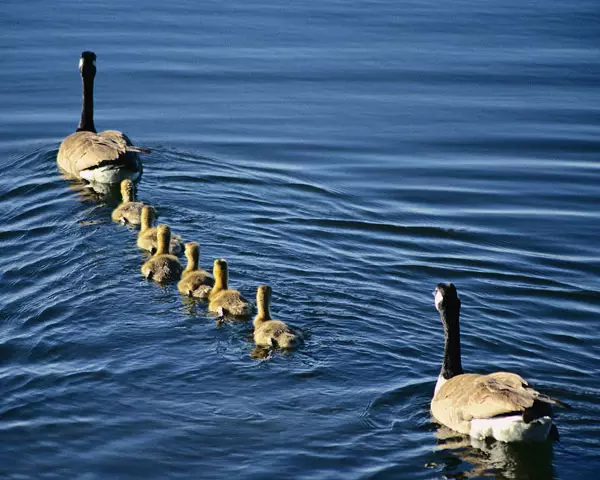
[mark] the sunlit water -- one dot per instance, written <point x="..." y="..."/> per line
<point x="350" y="155"/>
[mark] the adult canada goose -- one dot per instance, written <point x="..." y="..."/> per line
<point x="500" y="405"/>
<point x="222" y="300"/>
<point x="129" y="211"/>
<point x="195" y="282"/>
<point x="269" y="332"/>
<point x="106" y="157"/>
<point x="162" y="267"/>
<point x="147" y="237"/>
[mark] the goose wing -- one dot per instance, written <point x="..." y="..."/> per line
<point x="520" y="386"/>
<point x="470" y="396"/>
<point x="87" y="150"/>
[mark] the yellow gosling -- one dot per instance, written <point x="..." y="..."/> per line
<point x="147" y="239"/>
<point x="222" y="300"/>
<point x="269" y="332"/>
<point x="162" y="267"/>
<point x="129" y="211"/>
<point x="195" y="282"/>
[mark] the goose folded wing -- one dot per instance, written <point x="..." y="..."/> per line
<point x="87" y="150"/>
<point x="484" y="396"/>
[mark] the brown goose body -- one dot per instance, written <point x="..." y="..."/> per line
<point x="106" y="157"/>
<point x="470" y="396"/>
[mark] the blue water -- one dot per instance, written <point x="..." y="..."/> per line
<point x="351" y="155"/>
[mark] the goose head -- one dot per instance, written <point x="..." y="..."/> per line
<point x="446" y="301"/>
<point x="87" y="64"/>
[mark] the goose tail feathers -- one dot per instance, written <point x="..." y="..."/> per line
<point x="133" y="148"/>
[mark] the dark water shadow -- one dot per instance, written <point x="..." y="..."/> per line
<point x="459" y="456"/>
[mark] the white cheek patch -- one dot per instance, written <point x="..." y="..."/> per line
<point x="81" y="63"/>
<point x="438" y="299"/>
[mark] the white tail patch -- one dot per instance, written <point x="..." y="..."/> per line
<point x="108" y="174"/>
<point x="511" y="429"/>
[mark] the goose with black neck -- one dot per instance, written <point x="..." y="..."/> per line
<point x="499" y="405"/>
<point x="108" y="157"/>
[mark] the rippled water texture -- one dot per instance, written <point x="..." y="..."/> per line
<point x="349" y="154"/>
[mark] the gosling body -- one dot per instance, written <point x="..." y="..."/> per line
<point x="222" y="299"/>
<point x="269" y="332"/>
<point x="147" y="237"/>
<point x="129" y="211"/>
<point x="195" y="282"/>
<point x="162" y="267"/>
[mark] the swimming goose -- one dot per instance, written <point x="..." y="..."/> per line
<point x="269" y="332"/>
<point x="195" y="282"/>
<point x="106" y="157"/>
<point x="147" y="237"/>
<point x="500" y="405"/>
<point x="162" y="267"/>
<point x="129" y="211"/>
<point x="222" y="300"/>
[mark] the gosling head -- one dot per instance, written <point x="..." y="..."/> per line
<point x="263" y="295"/>
<point x="446" y="298"/>
<point x="163" y="237"/>
<point x="147" y="217"/>
<point x="87" y="64"/>
<point x="263" y="300"/>
<point x="221" y="274"/>
<point x="192" y="253"/>
<point x="127" y="190"/>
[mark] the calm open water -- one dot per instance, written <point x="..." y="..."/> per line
<point x="350" y="154"/>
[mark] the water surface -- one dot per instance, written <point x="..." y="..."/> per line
<point x="349" y="155"/>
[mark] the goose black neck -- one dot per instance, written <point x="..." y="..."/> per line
<point x="452" y="364"/>
<point x="87" y="108"/>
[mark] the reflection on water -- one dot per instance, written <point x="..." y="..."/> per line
<point x="461" y="456"/>
<point x="94" y="192"/>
